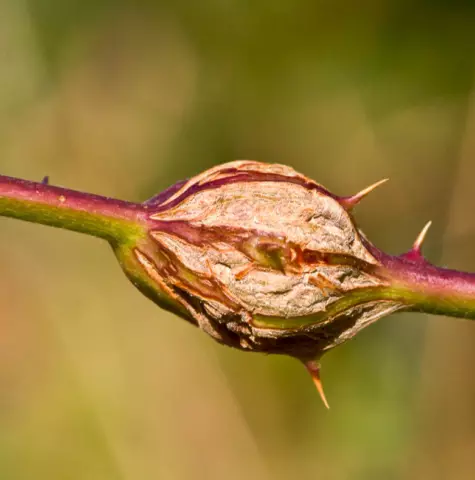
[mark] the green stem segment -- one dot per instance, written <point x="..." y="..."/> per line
<point x="114" y="220"/>
<point x="430" y="289"/>
<point x="411" y="280"/>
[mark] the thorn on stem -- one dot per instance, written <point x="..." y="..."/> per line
<point x="415" y="253"/>
<point x="353" y="200"/>
<point x="421" y="237"/>
<point x="45" y="180"/>
<point x="313" y="368"/>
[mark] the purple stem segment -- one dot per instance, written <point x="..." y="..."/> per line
<point x="427" y="288"/>
<point x="114" y="220"/>
<point x="411" y="279"/>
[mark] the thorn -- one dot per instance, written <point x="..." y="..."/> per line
<point x="416" y="248"/>
<point x="353" y="200"/>
<point x="414" y="254"/>
<point x="313" y="368"/>
<point x="45" y="180"/>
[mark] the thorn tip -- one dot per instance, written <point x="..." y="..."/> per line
<point x="421" y="237"/>
<point x="353" y="200"/>
<point x="313" y="368"/>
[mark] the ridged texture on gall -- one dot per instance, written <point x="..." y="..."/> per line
<point x="264" y="259"/>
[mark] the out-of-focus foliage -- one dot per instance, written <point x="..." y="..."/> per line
<point x="124" y="98"/>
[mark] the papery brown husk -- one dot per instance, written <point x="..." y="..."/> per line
<point x="262" y="258"/>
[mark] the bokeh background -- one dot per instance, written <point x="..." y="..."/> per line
<point x="123" y="98"/>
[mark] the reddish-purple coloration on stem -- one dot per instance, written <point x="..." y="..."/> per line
<point x="65" y="208"/>
<point x="257" y="255"/>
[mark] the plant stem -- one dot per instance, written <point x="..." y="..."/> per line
<point x="429" y="289"/>
<point x="114" y="220"/>
<point x="412" y="281"/>
<point x="424" y="287"/>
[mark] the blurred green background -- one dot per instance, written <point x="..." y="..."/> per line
<point x="123" y="98"/>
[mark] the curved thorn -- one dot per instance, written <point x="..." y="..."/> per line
<point x="420" y="238"/>
<point x="313" y="368"/>
<point x="353" y="200"/>
<point x="45" y="180"/>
